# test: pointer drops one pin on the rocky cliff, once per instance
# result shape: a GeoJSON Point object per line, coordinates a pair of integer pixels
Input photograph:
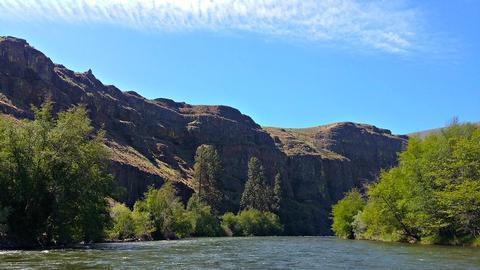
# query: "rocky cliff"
{"type": "Point", "coordinates": [153, 141]}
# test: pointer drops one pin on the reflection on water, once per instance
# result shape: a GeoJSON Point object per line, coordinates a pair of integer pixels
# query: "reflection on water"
{"type": "Point", "coordinates": [247, 253]}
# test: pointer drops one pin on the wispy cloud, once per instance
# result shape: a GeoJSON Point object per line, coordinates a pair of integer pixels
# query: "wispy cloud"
{"type": "Point", "coordinates": [388, 26]}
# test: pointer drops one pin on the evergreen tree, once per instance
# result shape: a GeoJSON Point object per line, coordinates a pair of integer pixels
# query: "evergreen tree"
{"type": "Point", "coordinates": [255, 195]}
{"type": "Point", "coordinates": [207, 176]}
{"type": "Point", "coordinates": [277, 193]}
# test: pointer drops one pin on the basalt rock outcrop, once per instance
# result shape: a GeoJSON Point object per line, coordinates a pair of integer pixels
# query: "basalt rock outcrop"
{"type": "Point", "coordinates": [153, 141]}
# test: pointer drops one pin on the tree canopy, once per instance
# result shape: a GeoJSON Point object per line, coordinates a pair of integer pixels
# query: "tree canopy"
{"type": "Point", "coordinates": [255, 194]}
{"type": "Point", "coordinates": [345, 211]}
{"type": "Point", "coordinates": [432, 196]}
{"type": "Point", "coordinates": [207, 176]}
{"type": "Point", "coordinates": [54, 179]}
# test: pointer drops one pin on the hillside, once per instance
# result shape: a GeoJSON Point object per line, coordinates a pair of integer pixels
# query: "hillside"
{"type": "Point", "coordinates": [425, 133]}
{"type": "Point", "coordinates": [153, 141]}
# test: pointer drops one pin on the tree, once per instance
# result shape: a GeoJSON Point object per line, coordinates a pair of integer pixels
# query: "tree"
{"type": "Point", "coordinates": [344, 213]}
{"type": "Point", "coordinates": [204, 223]}
{"type": "Point", "coordinates": [252, 222]}
{"type": "Point", "coordinates": [166, 211]}
{"type": "Point", "coordinates": [123, 223]}
{"type": "Point", "coordinates": [277, 193]}
{"type": "Point", "coordinates": [144, 226]}
{"type": "Point", "coordinates": [207, 176]}
{"type": "Point", "coordinates": [433, 195]}
{"type": "Point", "coordinates": [256, 193]}
{"type": "Point", "coordinates": [54, 179]}
{"type": "Point", "coordinates": [129, 224]}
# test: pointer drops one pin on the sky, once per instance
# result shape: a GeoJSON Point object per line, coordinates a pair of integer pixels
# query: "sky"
{"type": "Point", "coordinates": [405, 65]}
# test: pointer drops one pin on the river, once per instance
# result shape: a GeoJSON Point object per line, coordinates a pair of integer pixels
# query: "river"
{"type": "Point", "coordinates": [247, 253]}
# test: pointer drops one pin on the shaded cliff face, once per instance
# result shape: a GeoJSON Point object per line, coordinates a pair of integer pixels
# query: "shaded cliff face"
{"type": "Point", "coordinates": [326, 161]}
{"type": "Point", "coordinates": [153, 141]}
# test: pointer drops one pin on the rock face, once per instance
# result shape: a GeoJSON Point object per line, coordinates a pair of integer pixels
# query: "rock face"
{"type": "Point", "coordinates": [153, 141]}
{"type": "Point", "coordinates": [324, 162]}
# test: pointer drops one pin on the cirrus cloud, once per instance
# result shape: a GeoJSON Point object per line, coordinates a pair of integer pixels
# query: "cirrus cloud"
{"type": "Point", "coordinates": [388, 26]}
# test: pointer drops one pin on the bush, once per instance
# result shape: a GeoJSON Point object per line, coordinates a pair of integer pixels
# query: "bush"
{"type": "Point", "coordinates": [230, 224]}
{"type": "Point", "coordinates": [167, 213]}
{"type": "Point", "coordinates": [252, 222]}
{"type": "Point", "coordinates": [344, 213]}
{"type": "Point", "coordinates": [204, 223]}
{"type": "Point", "coordinates": [143, 224]}
{"type": "Point", "coordinates": [123, 223]}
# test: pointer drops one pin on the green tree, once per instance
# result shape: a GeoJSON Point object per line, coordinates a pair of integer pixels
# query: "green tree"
{"type": "Point", "coordinates": [252, 222]}
{"type": "Point", "coordinates": [457, 183]}
{"type": "Point", "coordinates": [123, 223]}
{"type": "Point", "coordinates": [207, 176]}
{"type": "Point", "coordinates": [166, 211]}
{"type": "Point", "coordinates": [344, 213]}
{"type": "Point", "coordinates": [129, 224]}
{"type": "Point", "coordinates": [432, 195]}
{"type": "Point", "coordinates": [230, 224]}
{"type": "Point", "coordinates": [204, 223]}
{"type": "Point", "coordinates": [256, 193]}
{"type": "Point", "coordinates": [54, 179]}
{"type": "Point", "coordinates": [277, 193]}
{"type": "Point", "coordinates": [144, 226]}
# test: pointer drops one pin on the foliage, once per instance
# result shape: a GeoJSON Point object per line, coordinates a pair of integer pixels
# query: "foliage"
{"type": "Point", "coordinates": [203, 222]}
{"type": "Point", "coordinates": [53, 174]}
{"type": "Point", "coordinates": [123, 223]}
{"type": "Point", "coordinates": [230, 224]}
{"type": "Point", "coordinates": [432, 196]}
{"type": "Point", "coordinates": [277, 193]}
{"type": "Point", "coordinates": [207, 176]}
{"type": "Point", "coordinates": [255, 194]}
{"type": "Point", "coordinates": [161, 215]}
{"type": "Point", "coordinates": [143, 224]}
{"type": "Point", "coordinates": [167, 213]}
{"type": "Point", "coordinates": [252, 222]}
{"type": "Point", "coordinates": [129, 224]}
{"type": "Point", "coordinates": [344, 213]}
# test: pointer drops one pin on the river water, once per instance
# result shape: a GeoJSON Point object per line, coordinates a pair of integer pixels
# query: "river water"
{"type": "Point", "coordinates": [247, 253]}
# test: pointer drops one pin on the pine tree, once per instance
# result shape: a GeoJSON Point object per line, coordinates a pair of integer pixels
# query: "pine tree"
{"type": "Point", "coordinates": [277, 193]}
{"type": "Point", "coordinates": [255, 194]}
{"type": "Point", "coordinates": [207, 176]}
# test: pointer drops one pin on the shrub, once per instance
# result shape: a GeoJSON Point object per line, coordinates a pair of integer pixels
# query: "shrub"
{"type": "Point", "coordinates": [230, 224]}
{"type": "Point", "coordinates": [167, 213]}
{"type": "Point", "coordinates": [123, 223]}
{"type": "Point", "coordinates": [204, 223]}
{"type": "Point", "coordinates": [143, 224]}
{"type": "Point", "coordinates": [344, 213]}
{"type": "Point", "coordinates": [252, 222]}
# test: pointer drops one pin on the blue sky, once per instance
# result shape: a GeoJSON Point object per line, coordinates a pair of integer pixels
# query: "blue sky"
{"type": "Point", "coordinates": [402, 65]}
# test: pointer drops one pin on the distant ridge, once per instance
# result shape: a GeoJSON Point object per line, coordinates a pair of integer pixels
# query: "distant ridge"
{"type": "Point", "coordinates": [425, 133]}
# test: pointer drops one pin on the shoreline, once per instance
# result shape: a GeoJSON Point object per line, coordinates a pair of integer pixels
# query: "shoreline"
{"type": "Point", "coordinates": [82, 246]}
